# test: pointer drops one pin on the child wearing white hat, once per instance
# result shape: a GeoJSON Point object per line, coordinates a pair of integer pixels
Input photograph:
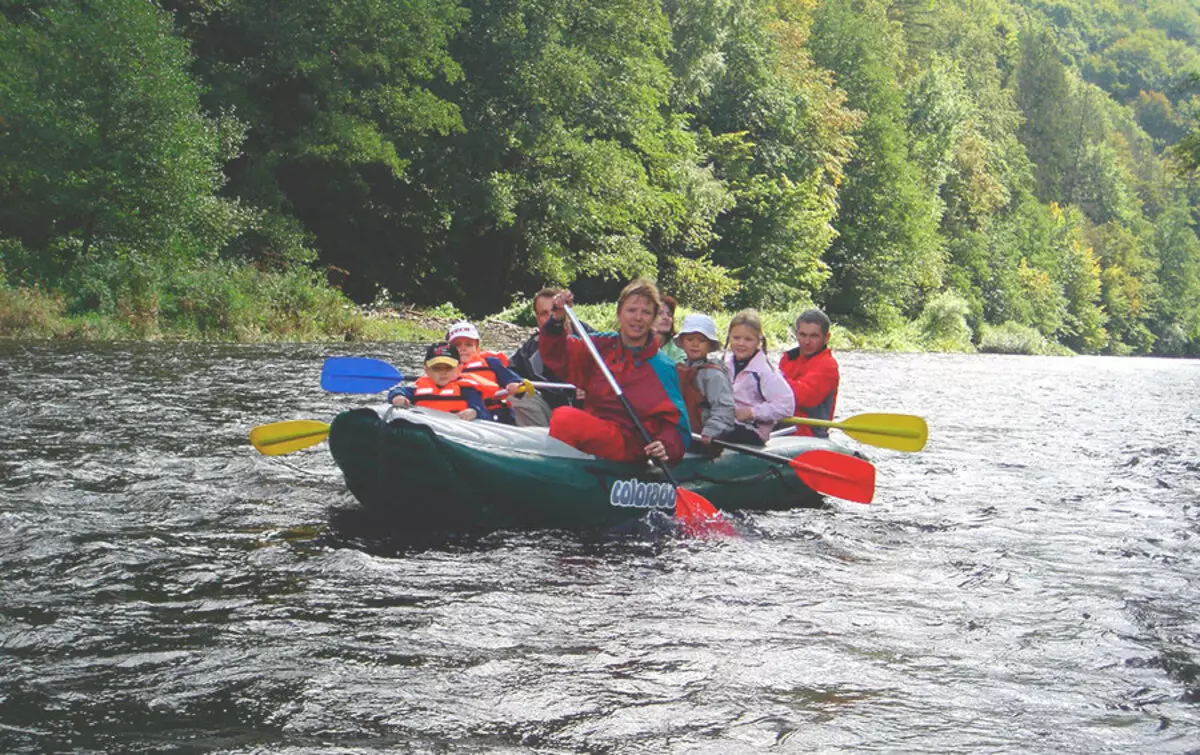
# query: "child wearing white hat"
{"type": "Point", "coordinates": [706, 386]}
{"type": "Point", "coordinates": [490, 368]}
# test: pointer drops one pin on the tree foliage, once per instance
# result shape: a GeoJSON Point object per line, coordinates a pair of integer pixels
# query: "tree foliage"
{"type": "Point", "coordinates": [109, 171]}
{"type": "Point", "coordinates": [985, 168]}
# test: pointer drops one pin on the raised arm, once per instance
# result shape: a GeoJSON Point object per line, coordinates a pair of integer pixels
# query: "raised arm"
{"type": "Point", "coordinates": [561, 354]}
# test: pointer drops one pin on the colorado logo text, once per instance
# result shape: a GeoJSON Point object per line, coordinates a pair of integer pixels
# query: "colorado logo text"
{"type": "Point", "coordinates": [642, 495]}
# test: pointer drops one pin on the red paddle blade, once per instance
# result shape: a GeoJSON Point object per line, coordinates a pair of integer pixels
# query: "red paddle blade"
{"type": "Point", "coordinates": [835, 474]}
{"type": "Point", "coordinates": [699, 517]}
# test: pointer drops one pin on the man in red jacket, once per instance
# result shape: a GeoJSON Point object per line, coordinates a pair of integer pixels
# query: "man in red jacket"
{"type": "Point", "coordinates": [811, 371]}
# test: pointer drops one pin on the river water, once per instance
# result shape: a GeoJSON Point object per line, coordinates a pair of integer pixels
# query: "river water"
{"type": "Point", "coordinates": [1030, 582]}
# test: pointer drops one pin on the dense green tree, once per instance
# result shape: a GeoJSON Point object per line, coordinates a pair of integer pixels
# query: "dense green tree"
{"type": "Point", "coordinates": [1036, 159]}
{"type": "Point", "coordinates": [108, 168]}
{"type": "Point", "coordinates": [1009, 266]}
{"type": "Point", "coordinates": [778, 139]}
{"type": "Point", "coordinates": [939, 113]}
{"type": "Point", "coordinates": [571, 163]}
{"type": "Point", "coordinates": [888, 253]}
{"type": "Point", "coordinates": [1129, 287]}
{"type": "Point", "coordinates": [1146, 61]}
{"type": "Point", "coordinates": [1157, 115]}
{"type": "Point", "coordinates": [988, 163]}
{"type": "Point", "coordinates": [1075, 268]}
{"type": "Point", "coordinates": [1048, 132]}
{"type": "Point", "coordinates": [1178, 18]}
{"type": "Point", "coordinates": [1185, 154]}
{"type": "Point", "coordinates": [1178, 326]}
{"type": "Point", "coordinates": [337, 97]}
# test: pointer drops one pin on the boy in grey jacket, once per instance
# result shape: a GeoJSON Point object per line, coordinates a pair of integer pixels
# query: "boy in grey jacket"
{"type": "Point", "coordinates": [707, 389]}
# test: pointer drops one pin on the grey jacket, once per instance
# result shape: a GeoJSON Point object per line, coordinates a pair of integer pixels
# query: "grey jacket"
{"type": "Point", "coordinates": [718, 415]}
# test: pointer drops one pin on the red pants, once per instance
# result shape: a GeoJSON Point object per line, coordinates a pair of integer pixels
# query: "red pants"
{"type": "Point", "coordinates": [595, 436]}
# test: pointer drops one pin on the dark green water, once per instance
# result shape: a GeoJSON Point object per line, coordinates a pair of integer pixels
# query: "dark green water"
{"type": "Point", "coordinates": [1028, 583]}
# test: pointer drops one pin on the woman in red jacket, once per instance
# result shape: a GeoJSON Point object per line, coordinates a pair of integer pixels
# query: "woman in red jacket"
{"type": "Point", "coordinates": [811, 371]}
{"type": "Point", "coordinates": [646, 376]}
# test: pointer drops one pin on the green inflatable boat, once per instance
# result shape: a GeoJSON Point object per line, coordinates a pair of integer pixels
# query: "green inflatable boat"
{"type": "Point", "coordinates": [434, 471]}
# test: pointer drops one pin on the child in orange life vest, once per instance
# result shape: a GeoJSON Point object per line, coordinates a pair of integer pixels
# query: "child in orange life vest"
{"type": "Point", "coordinates": [491, 366]}
{"type": "Point", "coordinates": [760, 394]}
{"type": "Point", "coordinates": [443, 386]}
{"type": "Point", "coordinates": [706, 387]}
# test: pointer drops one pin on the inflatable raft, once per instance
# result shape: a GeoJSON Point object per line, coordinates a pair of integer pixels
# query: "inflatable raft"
{"type": "Point", "coordinates": [437, 472]}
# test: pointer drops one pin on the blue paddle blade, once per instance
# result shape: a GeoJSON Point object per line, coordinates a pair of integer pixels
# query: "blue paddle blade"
{"type": "Point", "coordinates": [358, 375]}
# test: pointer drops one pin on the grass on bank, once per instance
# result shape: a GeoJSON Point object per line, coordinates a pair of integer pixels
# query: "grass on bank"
{"type": "Point", "coordinates": [221, 303]}
{"type": "Point", "coordinates": [241, 303]}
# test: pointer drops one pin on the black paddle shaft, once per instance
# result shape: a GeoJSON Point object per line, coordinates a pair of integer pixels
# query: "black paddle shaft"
{"type": "Point", "coordinates": [646, 437]}
{"type": "Point", "coordinates": [750, 451]}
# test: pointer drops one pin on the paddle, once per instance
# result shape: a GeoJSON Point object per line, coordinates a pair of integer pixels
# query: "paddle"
{"type": "Point", "coordinates": [698, 515]}
{"type": "Point", "coordinates": [359, 375]}
{"type": "Point", "coordinates": [284, 437]}
{"type": "Point", "coordinates": [827, 472]}
{"type": "Point", "coordinates": [900, 432]}
{"type": "Point", "coordinates": [366, 375]}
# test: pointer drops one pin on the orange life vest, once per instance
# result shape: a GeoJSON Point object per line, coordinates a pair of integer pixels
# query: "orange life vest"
{"type": "Point", "coordinates": [477, 369]}
{"type": "Point", "coordinates": [693, 399]}
{"type": "Point", "coordinates": [448, 399]}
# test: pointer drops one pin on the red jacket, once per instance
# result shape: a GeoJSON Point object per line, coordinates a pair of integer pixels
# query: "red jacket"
{"type": "Point", "coordinates": [646, 376]}
{"type": "Point", "coordinates": [814, 382]}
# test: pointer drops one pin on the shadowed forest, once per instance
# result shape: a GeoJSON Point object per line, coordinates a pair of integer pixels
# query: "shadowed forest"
{"type": "Point", "coordinates": [1011, 176]}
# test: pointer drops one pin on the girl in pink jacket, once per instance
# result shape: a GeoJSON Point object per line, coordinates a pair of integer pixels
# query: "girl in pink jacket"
{"type": "Point", "coordinates": [761, 396]}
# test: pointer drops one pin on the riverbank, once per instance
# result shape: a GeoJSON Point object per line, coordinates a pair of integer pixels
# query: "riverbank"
{"type": "Point", "coordinates": [318, 314]}
{"type": "Point", "coordinates": [495, 334]}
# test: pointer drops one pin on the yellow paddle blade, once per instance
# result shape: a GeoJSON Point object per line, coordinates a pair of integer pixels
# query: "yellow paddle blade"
{"type": "Point", "coordinates": [899, 432]}
{"type": "Point", "coordinates": [284, 437]}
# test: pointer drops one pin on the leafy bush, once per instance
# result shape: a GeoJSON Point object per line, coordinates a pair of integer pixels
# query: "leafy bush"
{"type": "Point", "coordinates": [228, 301]}
{"type": "Point", "coordinates": [448, 311]}
{"type": "Point", "coordinates": [1015, 338]}
{"type": "Point", "coordinates": [902, 337]}
{"type": "Point", "coordinates": [520, 312]}
{"type": "Point", "coordinates": [943, 323]}
{"type": "Point", "coordinates": [699, 283]}
{"type": "Point", "coordinates": [30, 313]}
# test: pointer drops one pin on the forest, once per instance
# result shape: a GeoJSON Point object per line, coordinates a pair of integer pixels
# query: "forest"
{"type": "Point", "coordinates": [1023, 173]}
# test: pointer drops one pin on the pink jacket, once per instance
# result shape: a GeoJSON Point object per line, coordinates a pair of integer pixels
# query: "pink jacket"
{"type": "Point", "coordinates": [765, 390]}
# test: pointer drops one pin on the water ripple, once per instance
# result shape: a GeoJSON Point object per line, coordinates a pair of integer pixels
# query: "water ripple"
{"type": "Point", "coordinates": [1028, 583]}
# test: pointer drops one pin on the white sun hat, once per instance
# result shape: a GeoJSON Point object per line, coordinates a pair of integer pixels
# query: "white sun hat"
{"type": "Point", "coordinates": [702, 324]}
{"type": "Point", "coordinates": [462, 330]}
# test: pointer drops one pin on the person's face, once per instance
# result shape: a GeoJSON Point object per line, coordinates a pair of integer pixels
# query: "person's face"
{"type": "Point", "coordinates": [665, 322]}
{"type": "Point", "coordinates": [744, 341]}
{"type": "Point", "coordinates": [441, 374]}
{"type": "Point", "coordinates": [468, 348]}
{"type": "Point", "coordinates": [634, 320]}
{"type": "Point", "coordinates": [695, 345]}
{"type": "Point", "coordinates": [811, 338]}
{"type": "Point", "coordinates": [541, 310]}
